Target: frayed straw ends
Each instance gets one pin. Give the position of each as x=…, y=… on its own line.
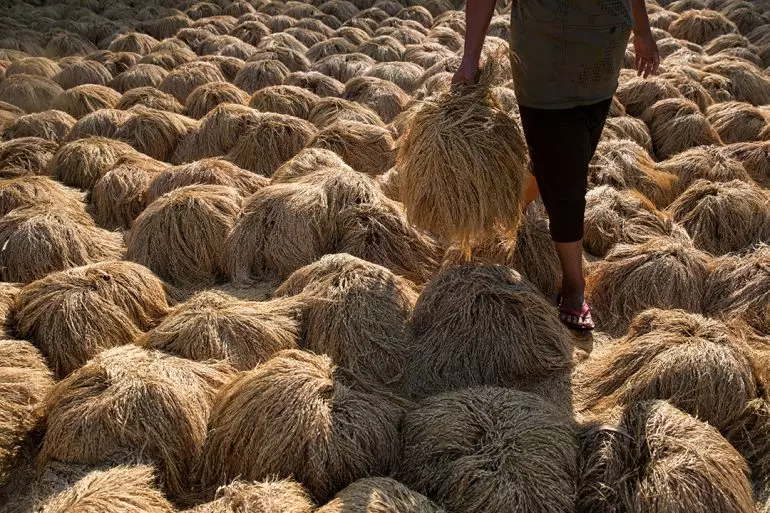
x=379, y=495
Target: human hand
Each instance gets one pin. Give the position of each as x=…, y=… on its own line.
x=647, y=55
x=467, y=73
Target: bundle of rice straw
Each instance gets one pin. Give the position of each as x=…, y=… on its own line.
x=746, y=82
x=690, y=88
x=206, y=97
x=284, y=99
x=260, y=74
x=129, y=400
x=119, y=489
x=140, y=75
x=133, y=42
x=739, y=287
x=364, y=147
x=28, y=191
x=217, y=132
x=723, y=217
x=344, y=67
x=85, y=99
x=715, y=364
x=738, y=122
x=292, y=59
x=355, y=312
x=25, y=380
x=181, y=234
x=454, y=444
x=639, y=94
x=338, y=429
x=703, y=163
x=26, y=156
x=52, y=125
x=59, y=239
x=661, y=459
x=120, y=195
x=215, y=325
x=308, y=161
x=701, y=26
x=379, y=495
x=483, y=325
x=153, y=132
x=149, y=97
x=462, y=165
x=755, y=158
x=102, y=123
x=186, y=78
x=29, y=92
x=676, y=125
x=315, y=82
x=75, y=314
x=661, y=272
x=384, y=97
x=403, y=74
x=272, y=496
x=211, y=171
x=82, y=162
x=83, y=72
x=749, y=435
x=36, y=66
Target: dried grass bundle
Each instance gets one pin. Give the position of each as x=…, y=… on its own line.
x=383, y=49
x=179, y=236
x=169, y=58
x=755, y=158
x=379, y=495
x=27, y=191
x=446, y=37
x=390, y=184
x=385, y=98
x=659, y=273
x=454, y=442
x=25, y=380
x=292, y=59
x=366, y=148
x=272, y=496
x=52, y=125
x=26, y=156
x=483, y=325
x=215, y=325
x=627, y=127
x=284, y=99
x=749, y=435
x=723, y=217
x=129, y=399
x=357, y=313
x=211, y=171
x=315, y=82
x=119, y=489
x=307, y=161
x=639, y=94
x=102, y=123
x=428, y=54
x=738, y=122
x=326, y=111
x=140, y=75
x=29, y=92
x=59, y=239
x=739, y=287
x=336, y=430
x=85, y=99
x=133, y=42
x=676, y=125
x=120, y=195
x=75, y=314
x=701, y=26
x=186, y=78
x=218, y=131
x=36, y=66
x=260, y=74
x=344, y=67
x=718, y=373
x=357, y=31
x=270, y=140
x=115, y=62
x=746, y=82
x=623, y=164
x=154, y=132
x=149, y=97
x=203, y=99
x=706, y=163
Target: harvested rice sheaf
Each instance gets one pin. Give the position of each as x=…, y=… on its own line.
x=272, y=496
x=52, y=125
x=83, y=72
x=703, y=163
x=130, y=399
x=661, y=459
x=284, y=99
x=299, y=415
x=85, y=99
x=462, y=166
x=355, y=312
x=382, y=96
x=149, y=97
x=180, y=235
x=639, y=94
x=755, y=158
x=483, y=325
x=29, y=92
x=379, y=495
x=75, y=314
x=26, y=156
x=27, y=191
x=305, y=162
x=723, y=217
x=154, y=132
x=206, y=97
x=102, y=123
x=454, y=444
x=738, y=122
x=659, y=273
x=82, y=162
x=676, y=125
x=317, y=83
x=364, y=147
x=214, y=325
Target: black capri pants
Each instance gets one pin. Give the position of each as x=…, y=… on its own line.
x=561, y=144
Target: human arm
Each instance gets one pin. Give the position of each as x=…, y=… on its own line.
x=645, y=47
x=478, y=14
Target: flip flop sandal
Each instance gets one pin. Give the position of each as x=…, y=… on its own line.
x=577, y=319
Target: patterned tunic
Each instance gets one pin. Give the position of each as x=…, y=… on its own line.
x=566, y=53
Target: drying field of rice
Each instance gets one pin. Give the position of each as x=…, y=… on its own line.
x=213, y=300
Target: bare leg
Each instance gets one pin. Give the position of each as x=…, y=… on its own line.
x=531, y=190
x=573, y=283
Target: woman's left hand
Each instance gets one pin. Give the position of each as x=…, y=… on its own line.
x=647, y=55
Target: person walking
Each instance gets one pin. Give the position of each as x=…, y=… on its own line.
x=566, y=57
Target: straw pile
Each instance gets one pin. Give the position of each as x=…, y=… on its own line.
x=315, y=82
x=24, y=382
x=701, y=26
x=334, y=430
x=129, y=399
x=30, y=93
x=73, y=315
x=383, y=97
x=738, y=122
x=81, y=73
x=85, y=99
x=26, y=156
x=379, y=495
x=102, y=123
x=483, y=325
x=208, y=96
x=355, y=312
x=458, y=149
x=59, y=239
x=181, y=234
x=308, y=161
x=154, y=132
x=453, y=444
x=28, y=191
x=677, y=124
x=81, y=163
x=284, y=496
x=723, y=217
x=284, y=99
x=755, y=159
x=214, y=325
x=639, y=94
x=661, y=272
x=364, y=147
x=52, y=125
x=149, y=97
x=706, y=163
x=661, y=459
x=184, y=79
x=211, y=171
